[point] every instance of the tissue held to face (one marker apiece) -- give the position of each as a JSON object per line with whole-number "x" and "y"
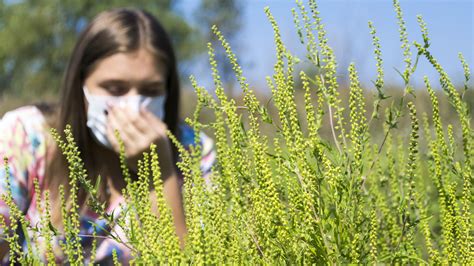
{"x": 130, "y": 81}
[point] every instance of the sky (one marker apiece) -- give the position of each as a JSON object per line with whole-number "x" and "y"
{"x": 450, "y": 25}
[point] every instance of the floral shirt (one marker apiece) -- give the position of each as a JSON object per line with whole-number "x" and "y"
{"x": 22, "y": 140}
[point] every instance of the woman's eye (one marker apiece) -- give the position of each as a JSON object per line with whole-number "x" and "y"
{"x": 116, "y": 90}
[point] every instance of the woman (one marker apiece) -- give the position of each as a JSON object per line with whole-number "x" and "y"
{"x": 121, "y": 76}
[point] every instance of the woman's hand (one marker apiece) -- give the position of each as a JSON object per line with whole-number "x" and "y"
{"x": 138, "y": 131}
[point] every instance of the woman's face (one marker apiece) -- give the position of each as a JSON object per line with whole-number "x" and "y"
{"x": 126, "y": 74}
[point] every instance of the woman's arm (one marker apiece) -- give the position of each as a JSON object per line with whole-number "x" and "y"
{"x": 137, "y": 132}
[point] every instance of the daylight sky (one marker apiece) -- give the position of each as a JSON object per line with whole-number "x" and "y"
{"x": 450, "y": 24}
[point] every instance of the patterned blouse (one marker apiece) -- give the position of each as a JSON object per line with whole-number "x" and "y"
{"x": 22, "y": 140}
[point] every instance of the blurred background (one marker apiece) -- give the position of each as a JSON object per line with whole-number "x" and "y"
{"x": 37, "y": 36}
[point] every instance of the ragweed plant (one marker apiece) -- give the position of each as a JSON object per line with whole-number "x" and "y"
{"x": 295, "y": 197}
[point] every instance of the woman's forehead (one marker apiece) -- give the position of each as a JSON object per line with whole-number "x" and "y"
{"x": 138, "y": 66}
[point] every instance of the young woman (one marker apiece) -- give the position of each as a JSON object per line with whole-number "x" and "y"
{"x": 121, "y": 76}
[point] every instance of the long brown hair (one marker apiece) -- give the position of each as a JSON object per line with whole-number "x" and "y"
{"x": 113, "y": 31}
